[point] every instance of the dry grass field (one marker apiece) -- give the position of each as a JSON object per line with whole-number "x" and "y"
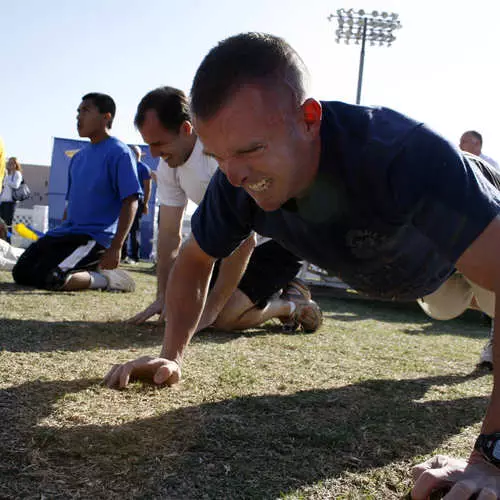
{"x": 341, "y": 414}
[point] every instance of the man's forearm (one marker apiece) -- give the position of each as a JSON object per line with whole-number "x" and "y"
{"x": 185, "y": 298}
{"x": 147, "y": 191}
{"x": 168, "y": 248}
{"x": 125, "y": 220}
{"x": 491, "y": 422}
{"x": 231, "y": 271}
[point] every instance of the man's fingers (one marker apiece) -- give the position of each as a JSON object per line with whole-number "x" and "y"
{"x": 429, "y": 480}
{"x": 139, "y": 318}
{"x": 463, "y": 490}
{"x": 167, "y": 374}
{"x": 125, "y": 372}
{"x": 435, "y": 462}
{"x": 143, "y": 316}
{"x": 109, "y": 377}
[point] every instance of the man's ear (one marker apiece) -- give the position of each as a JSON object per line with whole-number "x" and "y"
{"x": 109, "y": 119}
{"x": 186, "y": 128}
{"x": 311, "y": 112}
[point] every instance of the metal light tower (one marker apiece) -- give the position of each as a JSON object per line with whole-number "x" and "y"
{"x": 356, "y": 25}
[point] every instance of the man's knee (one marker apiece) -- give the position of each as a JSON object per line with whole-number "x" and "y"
{"x": 23, "y": 272}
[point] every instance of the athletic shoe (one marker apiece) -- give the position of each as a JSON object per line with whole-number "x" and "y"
{"x": 307, "y": 315}
{"x": 296, "y": 289}
{"x": 118, "y": 280}
{"x": 486, "y": 358}
{"x": 129, "y": 260}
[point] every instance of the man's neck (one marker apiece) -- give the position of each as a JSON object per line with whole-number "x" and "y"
{"x": 99, "y": 137}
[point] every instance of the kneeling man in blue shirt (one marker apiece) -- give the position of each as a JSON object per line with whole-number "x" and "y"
{"x": 103, "y": 188}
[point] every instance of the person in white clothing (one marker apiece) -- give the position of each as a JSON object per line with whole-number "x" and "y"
{"x": 243, "y": 284}
{"x": 472, "y": 142}
{"x": 12, "y": 180}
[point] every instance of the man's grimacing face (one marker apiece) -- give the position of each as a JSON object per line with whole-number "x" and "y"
{"x": 262, "y": 144}
{"x": 172, "y": 147}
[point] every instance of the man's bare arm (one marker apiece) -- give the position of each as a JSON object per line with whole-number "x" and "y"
{"x": 231, "y": 271}
{"x": 168, "y": 244}
{"x": 111, "y": 257}
{"x": 147, "y": 195}
{"x": 186, "y": 292}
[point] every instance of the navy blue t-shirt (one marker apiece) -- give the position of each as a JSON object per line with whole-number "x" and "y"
{"x": 392, "y": 208}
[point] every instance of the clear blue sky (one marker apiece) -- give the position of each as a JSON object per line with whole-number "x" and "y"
{"x": 439, "y": 70}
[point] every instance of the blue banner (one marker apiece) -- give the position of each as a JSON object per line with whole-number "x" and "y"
{"x": 62, "y": 152}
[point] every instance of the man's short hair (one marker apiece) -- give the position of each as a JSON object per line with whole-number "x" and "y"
{"x": 474, "y": 134}
{"x": 171, "y": 106}
{"x": 243, "y": 59}
{"x": 103, "y": 102}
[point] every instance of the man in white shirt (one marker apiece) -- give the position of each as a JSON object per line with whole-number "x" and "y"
{"x": 245, "y": 284}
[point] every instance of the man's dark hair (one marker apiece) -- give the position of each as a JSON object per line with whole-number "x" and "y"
{"x": 103, "y": 102}
{"x": 171, "y": 106}
{"x": 242, "y": 59}
{"x": 475, "y": 134}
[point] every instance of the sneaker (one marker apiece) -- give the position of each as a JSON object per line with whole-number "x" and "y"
{"x": 486, "y": 357}
{"x": 307, "y": 315}
{"x": 118, "y": 280}
{"x": 296, "y": 289}
{"x": 129, "y": 260}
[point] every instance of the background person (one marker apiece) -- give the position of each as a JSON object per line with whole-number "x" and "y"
{"x": 132, "y": 247}
{"x": 84, "y": 251}
{"x": 472, "y": 142}
{"x": 2, "y": 161}
{"x": 366, "y": 193}
{"x": 12, "y": 180}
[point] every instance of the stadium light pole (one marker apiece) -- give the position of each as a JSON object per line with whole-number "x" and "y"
{"x": 358, "y": 25}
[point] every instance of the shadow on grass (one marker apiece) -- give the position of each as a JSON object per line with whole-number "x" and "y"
{"x": 471, "y": 324}
{"x": 247, "y": 447}
{"x": 43, "y": 336}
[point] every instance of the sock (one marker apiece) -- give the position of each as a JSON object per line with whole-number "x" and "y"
{"x": 97, "y": 280}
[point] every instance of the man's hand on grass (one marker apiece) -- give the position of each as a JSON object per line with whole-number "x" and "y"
{"x": 466, "y": 479}
{"x": 157, "y": 307}
{"x": 159, "y": 371}
{"x": 110, "y": 259}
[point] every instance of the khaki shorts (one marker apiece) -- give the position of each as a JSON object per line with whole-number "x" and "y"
{"x": 454, "y": 297}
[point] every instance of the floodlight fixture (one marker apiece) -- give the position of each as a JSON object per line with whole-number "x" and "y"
{"x": 357, "y": 26}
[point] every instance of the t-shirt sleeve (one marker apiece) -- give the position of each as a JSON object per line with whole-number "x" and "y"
{"x": 223, "y": 219}
{"x": 126, "y": 179}
{"x": 442, "y": 194}
{"x": 143, "y": 171}
{"x": 169, "y": 192}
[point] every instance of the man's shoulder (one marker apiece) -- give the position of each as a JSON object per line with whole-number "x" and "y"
{"x": 142, "y": 167}
{"x": 116, "y": 146}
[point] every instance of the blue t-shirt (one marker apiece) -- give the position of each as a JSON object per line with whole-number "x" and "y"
{"x": 392, "y": 208}
{"x": 100, "y": 177}
{"x": 143, "y": 173}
